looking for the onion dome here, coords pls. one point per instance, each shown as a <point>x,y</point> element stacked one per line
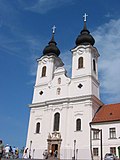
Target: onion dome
<point>85,38</point>
<point>51,48</point>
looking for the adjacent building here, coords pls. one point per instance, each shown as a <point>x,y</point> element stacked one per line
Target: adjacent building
<point>106,122</point>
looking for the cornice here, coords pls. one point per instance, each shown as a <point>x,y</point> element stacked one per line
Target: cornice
<point>67,100</point>
<point>85,47</point>
<point>85,76</point>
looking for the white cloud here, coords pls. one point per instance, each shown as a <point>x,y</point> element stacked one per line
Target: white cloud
<point>108,15</point>
<point>43,6</point>
<point>33,65</point>
<point>107,39</point>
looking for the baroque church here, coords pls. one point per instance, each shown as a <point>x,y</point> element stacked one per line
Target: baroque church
<point>66,114</point>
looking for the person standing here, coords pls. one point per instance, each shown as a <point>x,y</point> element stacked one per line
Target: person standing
<point>1,149</point>
<point>25,153</point>
<point>7,151</point>
<point>50,152</point>
<point>55,154</point>
<point>14,149</point>
<point>17,153</point>
<point>45,154</point>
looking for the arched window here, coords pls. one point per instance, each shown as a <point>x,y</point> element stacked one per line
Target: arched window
<point>58,91</point>
<point>59,80</point>
<point>56,121</point>
<point>78,124</point>
<point>44,71</point>
<point>94,65</point>
<point>38,127</point>
<point>80,62</point>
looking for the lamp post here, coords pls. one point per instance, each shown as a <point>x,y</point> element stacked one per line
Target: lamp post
<point>33,153</point>
<point>74,148</point>
<point>76,154</point>
<point>101,143</point>
<point>99,130</point>
<point>30,149</point>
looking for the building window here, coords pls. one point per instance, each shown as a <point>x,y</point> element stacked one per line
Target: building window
<point>41,92</point>
<point>80,62</point>
<point>112,133</point>
<point>44,71</point>
<point>113,150</point>
<point>58,91</point>
<point>38,127</point>
<point>78,124</point>
<point>56,121</point>
<point>95,152</point>
<point>95,134</point>
<point>59,80</point>
<point>94,65</point>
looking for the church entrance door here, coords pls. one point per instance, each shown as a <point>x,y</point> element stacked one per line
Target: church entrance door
<point>54,148</point>
<point>54,143</point>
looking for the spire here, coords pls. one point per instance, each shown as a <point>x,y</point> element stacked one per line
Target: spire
<point>85,19</point>
<point>51,48</point>
<point>85,38</point>
<point>53,29</point>
<point>53,33</point>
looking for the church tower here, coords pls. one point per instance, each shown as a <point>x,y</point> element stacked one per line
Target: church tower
<point>47,64</point>
<point>62,107</point>
<point>85,63</point>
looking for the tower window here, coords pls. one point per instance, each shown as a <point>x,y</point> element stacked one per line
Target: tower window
<point>44,71</point>
<point>80,62</point>
<point>78,124</point>
<point>41,92</point>
<point>94,65</point>
<point>56,121</point>
<point>59,80</point>
<point>38,127</point>
<point>80,85</point>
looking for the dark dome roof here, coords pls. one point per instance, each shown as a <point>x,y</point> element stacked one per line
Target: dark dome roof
<point>51,48</point>
<point>85,37</point>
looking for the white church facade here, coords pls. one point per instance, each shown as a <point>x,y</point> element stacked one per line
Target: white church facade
<point>65,111</point>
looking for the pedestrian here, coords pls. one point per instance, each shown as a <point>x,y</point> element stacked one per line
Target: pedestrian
<point>50,151</point>
<point>13,151</point>
<point>55,154</point>
<point>7,151</point>
<point>45,154</point>
<point>17,153</point>
<point>1,149</point>
<point>25,153</point>
<point>10,152</point>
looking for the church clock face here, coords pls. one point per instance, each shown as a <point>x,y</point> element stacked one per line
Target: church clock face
<point>44,60</point>
<point>80,51</point>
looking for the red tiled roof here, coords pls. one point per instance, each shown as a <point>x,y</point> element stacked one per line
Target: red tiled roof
<point>107,113</point>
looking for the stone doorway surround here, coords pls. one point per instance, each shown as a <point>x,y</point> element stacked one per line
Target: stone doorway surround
<point>53,140</point>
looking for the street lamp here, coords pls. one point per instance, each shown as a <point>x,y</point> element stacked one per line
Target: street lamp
<point>33,153</point>
<point>76,153</point>
<point>99,130</point>
<point>30,149</point>
<point>74,148</point>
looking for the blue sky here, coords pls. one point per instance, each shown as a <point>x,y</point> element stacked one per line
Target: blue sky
<point>25,29</point>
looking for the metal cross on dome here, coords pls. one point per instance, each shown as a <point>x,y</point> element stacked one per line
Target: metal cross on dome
<point>53,29</point>
<point>85,17</point>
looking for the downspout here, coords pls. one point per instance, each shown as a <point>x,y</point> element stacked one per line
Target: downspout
<point>91,142</point>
